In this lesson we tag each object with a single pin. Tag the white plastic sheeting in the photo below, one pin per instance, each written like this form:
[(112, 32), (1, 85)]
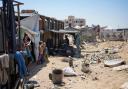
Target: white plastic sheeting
[(31, 26), (31, 22), (68, 71), (114, 62)]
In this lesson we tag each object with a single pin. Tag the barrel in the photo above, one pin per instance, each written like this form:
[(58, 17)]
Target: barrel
[(57, 76)]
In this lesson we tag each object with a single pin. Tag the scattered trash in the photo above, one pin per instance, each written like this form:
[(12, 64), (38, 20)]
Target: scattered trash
[(66, 59), (122, 67), (93, 62), (124, 86), (68, 71), (98, 61), (89, 72), (31, 85), (85, 68), (82, 77), (53, 63), (113, 50), (114, 62), (110, 50), (95, 78), (55, 87), (75, 65)]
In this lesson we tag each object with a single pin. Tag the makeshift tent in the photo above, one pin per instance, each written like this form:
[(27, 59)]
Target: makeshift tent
[(30, 25), (76, 35)]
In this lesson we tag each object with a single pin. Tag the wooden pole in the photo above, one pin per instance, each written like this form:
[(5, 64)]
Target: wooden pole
[(19, 32)]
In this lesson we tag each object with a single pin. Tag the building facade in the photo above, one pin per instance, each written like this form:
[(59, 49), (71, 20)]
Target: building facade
[(73, 22)]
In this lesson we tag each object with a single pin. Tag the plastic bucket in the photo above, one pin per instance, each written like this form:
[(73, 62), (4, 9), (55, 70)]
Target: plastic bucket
[(57, 76)]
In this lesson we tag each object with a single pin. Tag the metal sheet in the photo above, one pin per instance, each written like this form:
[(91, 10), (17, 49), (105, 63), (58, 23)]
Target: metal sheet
[(65, 31)]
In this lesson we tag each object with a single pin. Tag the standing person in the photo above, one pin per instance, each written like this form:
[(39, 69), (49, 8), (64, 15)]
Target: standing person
[(66, 45), (45, 52), (66, 40), (28, 49), (22, 69), (32, 50), (41, 53), (26, 40)]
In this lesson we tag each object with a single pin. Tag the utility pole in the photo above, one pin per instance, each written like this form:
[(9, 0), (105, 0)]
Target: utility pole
[(18, 12)]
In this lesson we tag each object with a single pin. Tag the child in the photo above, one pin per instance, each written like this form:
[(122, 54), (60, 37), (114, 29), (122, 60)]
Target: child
[(45, 52), (41, 53)]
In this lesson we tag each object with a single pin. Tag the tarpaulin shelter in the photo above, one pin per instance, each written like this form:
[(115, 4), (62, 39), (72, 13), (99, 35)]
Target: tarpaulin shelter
[(75, 33), (30, 25)]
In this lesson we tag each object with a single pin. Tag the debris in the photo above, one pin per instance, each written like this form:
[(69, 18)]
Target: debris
[(113, 63), (68, 71), (53, 63), (85, 68), (114, 50), (124, 86), (50, 76), (66, 59), (98, 61), (122, 67), (93, 62), (56, 87), (95, 78), (82, 77), (76, 65), (29, 86)]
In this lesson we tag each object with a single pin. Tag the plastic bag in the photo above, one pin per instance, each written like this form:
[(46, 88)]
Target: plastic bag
[(68, 71)]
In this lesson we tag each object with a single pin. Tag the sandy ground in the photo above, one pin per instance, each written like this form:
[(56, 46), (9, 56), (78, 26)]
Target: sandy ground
[(100, 77)]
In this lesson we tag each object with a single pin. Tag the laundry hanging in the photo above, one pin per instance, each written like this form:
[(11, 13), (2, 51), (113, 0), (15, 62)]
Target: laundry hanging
[(4, 65)]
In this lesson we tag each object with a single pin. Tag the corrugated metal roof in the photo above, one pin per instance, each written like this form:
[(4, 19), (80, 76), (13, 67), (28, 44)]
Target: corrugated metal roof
[(25, 14), (65, 31)]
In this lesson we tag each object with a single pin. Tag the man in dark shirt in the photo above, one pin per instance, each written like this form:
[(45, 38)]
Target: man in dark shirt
[(66, 40)]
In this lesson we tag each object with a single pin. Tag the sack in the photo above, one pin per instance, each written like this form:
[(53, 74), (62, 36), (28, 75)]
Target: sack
[(68, 71)]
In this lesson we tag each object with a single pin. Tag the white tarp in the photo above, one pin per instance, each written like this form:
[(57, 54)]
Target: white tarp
[(31, 25), (68, 71), (31, 22), (30, 33)]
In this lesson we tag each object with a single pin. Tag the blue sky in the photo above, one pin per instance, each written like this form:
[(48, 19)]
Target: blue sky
[(113, 13)]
